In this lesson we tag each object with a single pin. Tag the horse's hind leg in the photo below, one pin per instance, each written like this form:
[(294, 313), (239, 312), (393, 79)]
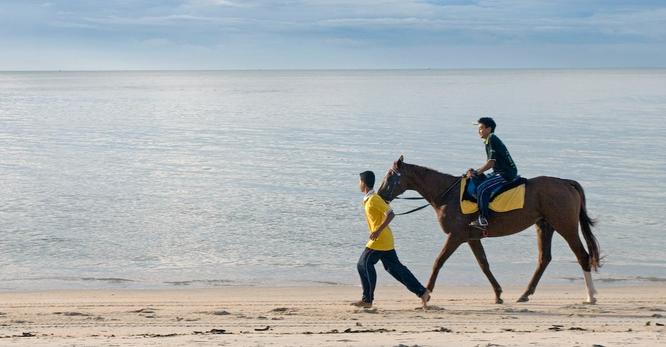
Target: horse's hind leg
[(545, 238), (577, 247), (480, 254)]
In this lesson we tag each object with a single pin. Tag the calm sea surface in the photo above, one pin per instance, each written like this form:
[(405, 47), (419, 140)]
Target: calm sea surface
[(162, 179)]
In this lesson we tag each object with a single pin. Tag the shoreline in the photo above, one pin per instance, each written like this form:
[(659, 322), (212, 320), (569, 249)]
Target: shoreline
[(301, 315), (89, 283)]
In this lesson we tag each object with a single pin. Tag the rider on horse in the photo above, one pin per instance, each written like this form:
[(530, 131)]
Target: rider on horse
[(504, 169)]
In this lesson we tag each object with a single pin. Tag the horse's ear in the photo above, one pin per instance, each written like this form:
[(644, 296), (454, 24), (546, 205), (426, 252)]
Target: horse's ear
[(401, 159), (398, 163)]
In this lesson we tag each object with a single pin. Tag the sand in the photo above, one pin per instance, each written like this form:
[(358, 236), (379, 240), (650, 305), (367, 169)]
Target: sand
[(321, 316)]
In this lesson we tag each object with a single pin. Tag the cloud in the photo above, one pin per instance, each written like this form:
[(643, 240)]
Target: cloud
[(524, 21), (562, 21), (176, 20), (362, 29)]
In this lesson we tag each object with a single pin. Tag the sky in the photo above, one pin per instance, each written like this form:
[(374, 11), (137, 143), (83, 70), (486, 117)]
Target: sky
[(329, 34)]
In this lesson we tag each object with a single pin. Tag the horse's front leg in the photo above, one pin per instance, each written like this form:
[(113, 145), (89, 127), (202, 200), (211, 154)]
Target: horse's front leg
[(480, 254), (450, 246)]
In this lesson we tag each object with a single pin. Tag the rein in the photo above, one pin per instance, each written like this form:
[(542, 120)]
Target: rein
[(441, 196)]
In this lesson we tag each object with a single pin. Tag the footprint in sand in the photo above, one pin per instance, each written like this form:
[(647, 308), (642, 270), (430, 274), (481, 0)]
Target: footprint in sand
[(145, 310), (366, 310), (508, 317), (513, 310), (98, 318), (215, 313), (443, 330), (73, 314), (284, 310)]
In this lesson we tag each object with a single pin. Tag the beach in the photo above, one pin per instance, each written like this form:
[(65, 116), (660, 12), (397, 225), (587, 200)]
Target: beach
[(186, 173), (307, 316), (186, 208)]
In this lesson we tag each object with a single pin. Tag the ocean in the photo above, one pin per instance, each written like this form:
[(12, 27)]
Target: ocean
[(167, 179)]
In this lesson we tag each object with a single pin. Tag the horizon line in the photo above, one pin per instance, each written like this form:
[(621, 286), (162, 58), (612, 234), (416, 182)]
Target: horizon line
[(342, 69)]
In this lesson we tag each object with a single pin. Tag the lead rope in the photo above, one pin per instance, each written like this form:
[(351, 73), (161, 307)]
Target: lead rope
[(428, 204)]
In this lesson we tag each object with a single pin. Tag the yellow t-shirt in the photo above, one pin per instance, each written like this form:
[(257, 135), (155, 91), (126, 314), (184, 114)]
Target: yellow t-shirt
[(376, 210)]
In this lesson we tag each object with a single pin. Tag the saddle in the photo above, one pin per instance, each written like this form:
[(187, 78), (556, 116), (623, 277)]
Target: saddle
[(508, 198)]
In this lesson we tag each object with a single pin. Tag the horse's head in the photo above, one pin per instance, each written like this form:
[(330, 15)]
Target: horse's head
[(392, 186)]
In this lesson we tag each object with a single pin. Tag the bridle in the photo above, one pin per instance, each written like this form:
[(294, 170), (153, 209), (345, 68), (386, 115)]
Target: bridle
[(391, 185), (392, 182)]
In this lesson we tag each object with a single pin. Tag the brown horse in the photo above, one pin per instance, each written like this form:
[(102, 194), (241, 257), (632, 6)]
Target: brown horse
[(553, 204)]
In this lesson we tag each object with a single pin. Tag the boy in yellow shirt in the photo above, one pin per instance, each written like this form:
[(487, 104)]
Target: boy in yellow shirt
[(380, 247)]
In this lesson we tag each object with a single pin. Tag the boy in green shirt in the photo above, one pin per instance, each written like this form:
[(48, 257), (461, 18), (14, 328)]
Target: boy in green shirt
[(504, 169)]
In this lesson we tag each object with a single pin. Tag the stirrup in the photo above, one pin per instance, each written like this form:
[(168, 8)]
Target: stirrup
[(479, 224)]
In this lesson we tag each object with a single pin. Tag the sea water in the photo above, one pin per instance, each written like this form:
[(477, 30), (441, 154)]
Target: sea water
[(224, 178)]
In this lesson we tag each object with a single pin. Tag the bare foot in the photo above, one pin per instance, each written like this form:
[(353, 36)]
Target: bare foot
[(425, 298), (362, 304)]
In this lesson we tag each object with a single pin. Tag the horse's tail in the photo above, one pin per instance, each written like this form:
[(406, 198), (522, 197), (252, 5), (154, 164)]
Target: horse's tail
[(586, 224)]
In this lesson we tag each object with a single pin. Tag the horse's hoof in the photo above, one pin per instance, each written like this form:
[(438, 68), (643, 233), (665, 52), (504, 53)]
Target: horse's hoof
[(499, 301), (523, 299), (590, 301)]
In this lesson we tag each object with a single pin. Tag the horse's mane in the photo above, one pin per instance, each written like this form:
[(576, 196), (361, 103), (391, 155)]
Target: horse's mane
[(427, 181), (423, 170)]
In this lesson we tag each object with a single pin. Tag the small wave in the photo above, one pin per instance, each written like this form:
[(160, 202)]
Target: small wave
[(214, 283), (651, 279), (612, 279), (619, 279), (330, 283), (107, 279), (71, 279)]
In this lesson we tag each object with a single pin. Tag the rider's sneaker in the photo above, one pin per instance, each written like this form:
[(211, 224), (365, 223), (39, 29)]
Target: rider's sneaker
[(481, 223)]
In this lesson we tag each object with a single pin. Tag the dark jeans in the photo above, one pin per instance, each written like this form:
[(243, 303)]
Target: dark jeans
[(486, 189), (366, 269)]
